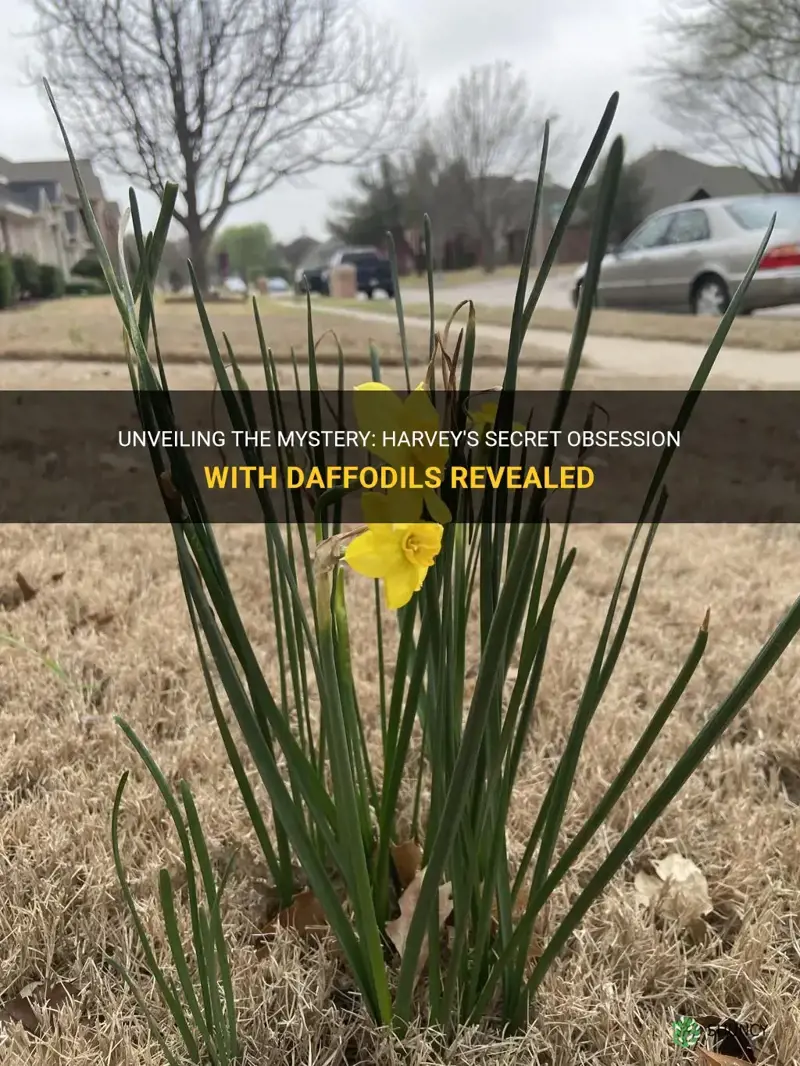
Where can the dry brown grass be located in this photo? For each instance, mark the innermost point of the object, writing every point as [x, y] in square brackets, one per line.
[88, 329]
[762, 334]
[610, 999]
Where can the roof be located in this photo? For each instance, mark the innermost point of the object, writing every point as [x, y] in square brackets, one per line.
[57, 171]
[673, 178]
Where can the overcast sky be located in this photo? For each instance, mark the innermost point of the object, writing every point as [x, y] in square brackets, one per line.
[575, 53]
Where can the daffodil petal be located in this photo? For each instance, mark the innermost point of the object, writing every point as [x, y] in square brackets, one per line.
[437, 508]
[401, 585]
[375, 508]
[381, 414]
[376, 553]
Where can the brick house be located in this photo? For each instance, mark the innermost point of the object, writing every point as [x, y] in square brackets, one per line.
[669, 177]
[40, 212]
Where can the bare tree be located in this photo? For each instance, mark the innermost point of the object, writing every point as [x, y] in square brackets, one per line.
[226, 97]
[729, 74]
[492, 125]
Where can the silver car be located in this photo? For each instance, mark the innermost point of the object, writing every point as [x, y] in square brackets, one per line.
[692, 256]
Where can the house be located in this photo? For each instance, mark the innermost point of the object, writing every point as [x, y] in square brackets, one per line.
[511, 203]
[40, 212]
[670, 177]
[31, 224]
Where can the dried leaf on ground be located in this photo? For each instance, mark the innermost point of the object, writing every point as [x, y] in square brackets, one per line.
[26, 1008]
[397, 930]
[15, 594]
[713, 1058]
[678, 890]
[304, 914]
[98, 619]
[407, 859]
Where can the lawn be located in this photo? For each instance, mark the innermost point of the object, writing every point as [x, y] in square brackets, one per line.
[87, 329]
[107, 633]
[115, 625]
[764, 334]
[456, 278]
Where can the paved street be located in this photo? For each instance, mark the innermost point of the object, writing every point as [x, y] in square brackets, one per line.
[500, 292]
[496, 292]
[737, 367]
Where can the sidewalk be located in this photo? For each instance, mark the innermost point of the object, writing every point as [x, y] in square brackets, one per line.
[614, 355]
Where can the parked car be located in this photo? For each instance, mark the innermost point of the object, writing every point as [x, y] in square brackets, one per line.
[277, 286]
[235, 284]
[373, 272]
[691, 257]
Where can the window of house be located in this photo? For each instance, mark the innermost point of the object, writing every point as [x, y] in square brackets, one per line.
[688, 227]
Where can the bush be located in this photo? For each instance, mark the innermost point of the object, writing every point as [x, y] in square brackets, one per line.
[8, 283]
[51, 282]
[27, 273]
[89, 267]
[85, 287]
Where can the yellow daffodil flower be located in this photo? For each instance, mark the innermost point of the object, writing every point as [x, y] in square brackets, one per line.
[400, 555]
[386, 417]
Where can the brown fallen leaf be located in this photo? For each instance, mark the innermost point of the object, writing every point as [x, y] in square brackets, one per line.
[14, 595]
[304, 914]
[713, 1058]
[35, 998]
[397, 930]
[678, 890]
[407, 859]
[28, 592]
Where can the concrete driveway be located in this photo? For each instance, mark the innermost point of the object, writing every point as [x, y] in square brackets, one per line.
[494, 292]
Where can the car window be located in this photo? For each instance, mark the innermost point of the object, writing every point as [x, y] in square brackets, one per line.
[689, 226]
[364, 258]
[651, 234]
[755, 212]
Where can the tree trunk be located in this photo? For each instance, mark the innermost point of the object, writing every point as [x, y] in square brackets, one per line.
[198, 253]
[488, 251]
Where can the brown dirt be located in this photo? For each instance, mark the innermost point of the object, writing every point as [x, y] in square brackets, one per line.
[115, 624]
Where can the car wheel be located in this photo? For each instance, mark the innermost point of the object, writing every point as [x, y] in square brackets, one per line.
[710, 296]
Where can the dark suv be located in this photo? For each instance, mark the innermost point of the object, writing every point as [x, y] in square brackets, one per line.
[373, 271]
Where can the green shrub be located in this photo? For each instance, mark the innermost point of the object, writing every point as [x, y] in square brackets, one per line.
[27, 273]
[8, 283]
[84, 287]
[89, 267]
[51, 282]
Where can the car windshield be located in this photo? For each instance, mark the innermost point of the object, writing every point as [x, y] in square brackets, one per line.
[354, 258]
[755, 212]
